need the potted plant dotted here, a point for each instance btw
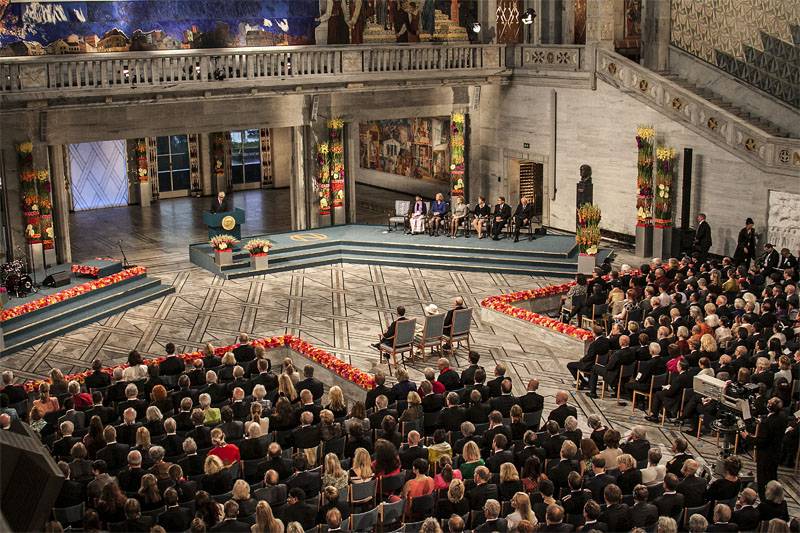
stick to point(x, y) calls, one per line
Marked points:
point(223, 249)
point(259, 253)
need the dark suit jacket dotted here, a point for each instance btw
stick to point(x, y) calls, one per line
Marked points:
point(531, 402)
point(408, 455)
point(597, 484)
point(192, 465)
point(15, 393)
point(379, 390)
point(252, 449)
point(313, 385)
point(63, 446)
point(727, 527)
point(503, 403)
point(217, 207)
point(560, 414)
point(480, 493)
point(628, 479)
point(97, 380)
point(637, 448)
point(201, 436)
point(71, 493)
point(450, 379)
point(106, 414)
point(524, 212)
point(451, 418)
point(502, 211)
point(126, 433)
point(376, 418)
point(644, 515)
point(115, 455)
point(494, 386)
point(702, 237)
point(468, 374)
point(309, 481)
point(130, 479)
point(498, 524)
point(267, 379)
point(671, 504)
point(559, 472)
point(231, 525)
point(617, 517)
point(494, 461)
point(306, 437)
point(747, 518)
point(693, 489)
point(388, 335)
point(478, 414)
point(175, 519)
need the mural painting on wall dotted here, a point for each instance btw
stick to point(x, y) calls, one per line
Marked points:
point(580, 21)
point(415, 148)
point(74, 27)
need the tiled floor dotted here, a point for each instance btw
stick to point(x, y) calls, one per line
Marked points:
point(341, 307)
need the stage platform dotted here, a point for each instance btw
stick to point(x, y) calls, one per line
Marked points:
point(71, 313)
point(550, 255)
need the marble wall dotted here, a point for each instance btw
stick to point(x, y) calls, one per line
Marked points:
point(598, 128)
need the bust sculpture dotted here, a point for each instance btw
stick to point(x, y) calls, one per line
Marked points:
point(584, 188)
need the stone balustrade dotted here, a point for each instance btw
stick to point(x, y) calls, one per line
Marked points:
point(547, 57)
point(715, 123)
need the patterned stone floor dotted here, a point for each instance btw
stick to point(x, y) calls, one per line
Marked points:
point(339, 307)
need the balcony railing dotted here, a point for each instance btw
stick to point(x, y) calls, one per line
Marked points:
point(280, 64)
point(548, 57)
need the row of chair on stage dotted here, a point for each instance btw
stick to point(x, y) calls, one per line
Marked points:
point(440, 217)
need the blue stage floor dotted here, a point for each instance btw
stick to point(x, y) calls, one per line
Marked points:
point(554, 255)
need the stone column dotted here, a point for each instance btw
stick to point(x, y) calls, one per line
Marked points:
point(58, 177)
point(600, 23)
point(297, 182)
point(568, 22)
point(351, 150)
point(656, 22)
point(13, 198)
point(206, 170)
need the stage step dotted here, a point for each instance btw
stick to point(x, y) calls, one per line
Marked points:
point(74, 314)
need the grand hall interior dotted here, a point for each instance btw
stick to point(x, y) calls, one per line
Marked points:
point(290, 266)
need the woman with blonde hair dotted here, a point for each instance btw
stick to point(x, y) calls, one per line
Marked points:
point(208, 350)
point(289, 370)
point(241, 495)
point(472, 460)
point(336, 402)
point(216, 478)
point(455, 503)
point(361, 470)
point(143, 442)
point(286, 387)
point(256, 409)
point(58, 385)
point(328, 427)
point(510, 483)
point(265, 520)
point(521, 503)
point(226, 372)
point(414, 409)
point(295, 527)
point(45, 403)
point(154, 421)
point(333, 475)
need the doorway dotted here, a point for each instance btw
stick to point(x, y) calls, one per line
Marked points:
point(245, 159)
point(98, 175)
point(174, 173)
point(526, 178)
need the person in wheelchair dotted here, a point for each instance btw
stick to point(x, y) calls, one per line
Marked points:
point(459, 216)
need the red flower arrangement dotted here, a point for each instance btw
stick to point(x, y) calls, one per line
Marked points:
point(502, 303)
point(70, 292)
point(85, 270)
point(326, 359)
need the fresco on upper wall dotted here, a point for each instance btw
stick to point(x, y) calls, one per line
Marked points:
point(85, 26)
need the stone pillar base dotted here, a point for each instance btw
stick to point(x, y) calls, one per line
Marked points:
point(662, 242)
point(644, 241)
point(223, 257)
point(586, 263)
point(144, 194)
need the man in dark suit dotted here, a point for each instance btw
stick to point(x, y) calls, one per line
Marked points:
point(306, 436)
point(139, 406)
point(230, 524)
point(276, 462)
point(221, 203)
point(611, 371)
point(496, 427)
point(769, 260)
point(617, 515)
point(114, 453)
point(175, 519)
point(264, 377)
point(458, 303)
point(303, 478)
point(483, 490)
point(63, 446)
point(296, 510)
point(480, 386)
point(380, 389)
point(172, 443)
point(643, 513)
point(130, 478)
point(200, 433)
point(591, 514)
point(702, 238)
point(387, 337)
point(78, 418)
point(468, 374)
point(493, 523)
point(254, 445)
point(562, 410)
point(72, 492)
point(499, 375)
point(183, 418)
point(451, 417)
point(97, 379)
point(600, 346)
point(244, 353)
point(431, 403)
point(505, 401)
point(197, 375)
point(598, 482)
point(500, 454)
point(574, 501)
point(554, 521)
point(310, 383)
point(412, 451)
point(551, 442)
point(721, 517)
point(133, 522)
point(233, 429)
point(116, 392)
point(655, 366)
point(637, 445)
point(523, 214)
point(15, 393)
point(670, 396)
point(747, 517)
point(531, 401)
point(559, 472)
point(106, 414)
point(670, 503)
point(172, 365)
point(692, 486)
point(381, 411)
point(500, 217)
point(126, 432)
point(447, 376)
point(768, 442)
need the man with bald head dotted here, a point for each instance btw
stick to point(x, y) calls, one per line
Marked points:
point(458, 303)
point(562, 410)
point(531, 401)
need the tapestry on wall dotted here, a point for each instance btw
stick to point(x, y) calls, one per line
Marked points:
point(415, 148)
point(74, 27)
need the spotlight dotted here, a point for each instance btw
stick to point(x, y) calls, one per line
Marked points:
point(476, 27)
point(528, 16)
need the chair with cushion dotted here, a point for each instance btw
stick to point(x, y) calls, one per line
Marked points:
point(656, 383)
point(459, 331)
point(430, 336)
point(335, 445)
point(69, 515)
point(392, 513)
point(400, 214)
point(363, 493)
point(401, 342)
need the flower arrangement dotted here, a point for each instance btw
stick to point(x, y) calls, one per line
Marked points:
point(86, 270)
point(457, 153)
point(35, 189)
point(587, 234)
point(324, 178)
point(645, 139)
point(503, 303)
point(258, 246)
point(223, 243)
point(336, 160)
point(142, 171)
point(318, 355)
point(70, 292)
point(666, 172)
